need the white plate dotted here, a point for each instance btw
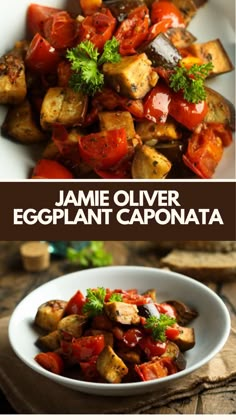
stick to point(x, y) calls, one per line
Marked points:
point(214, 20)
point(212, 326)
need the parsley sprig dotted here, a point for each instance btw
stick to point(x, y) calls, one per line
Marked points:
point(95, 299)
point(93, 255)
point(86, 62)
point(159, 326)
point(191, 81)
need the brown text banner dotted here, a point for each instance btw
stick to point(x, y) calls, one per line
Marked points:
point(90, 210)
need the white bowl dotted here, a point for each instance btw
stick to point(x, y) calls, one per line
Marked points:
point(214, 20)
point(212, 326)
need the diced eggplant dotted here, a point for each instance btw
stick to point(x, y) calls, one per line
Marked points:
point(173, 351)
point(147, 310)
point(72, 325)
point(49, 314)
point(187, 8)
point(220, 110)
point(152, 293)
point(148, 163)
point(49, 342)
point(110, 366)
point(184, 314)
point(213, 51)
point(149, 130)
point(12, 79)
point(129, 356)
point(162, 52)
point(173, 150)
point(186, 338)
point(180, 37)
point(122, 312)
point(121, 8)
point(117, 119)
point(132, 77)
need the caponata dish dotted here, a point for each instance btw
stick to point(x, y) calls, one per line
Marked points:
point(114, 336)
point(117, 91)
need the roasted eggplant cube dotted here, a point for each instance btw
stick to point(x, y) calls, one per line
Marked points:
point(149, 130)
point(150, 164)
point(220, 110)
point(214, 52)
point(20, 124)
point(184, 314)
point(72, 325)
point(49, 342)
point(63, 106)
point(49, 314)
point(132, 76)
point(121, 8)
point(124, 313)
point(118, 119)
point(110, 366)
point(12, 80)
point(186, 339)
point(162, 52)
point(180, 37)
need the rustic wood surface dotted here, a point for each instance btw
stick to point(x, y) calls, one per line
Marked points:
point(16, 283)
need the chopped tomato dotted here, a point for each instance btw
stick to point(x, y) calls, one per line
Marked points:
point(151, 347)
point(166, 308)
point(50, 361)
point(157, 103)
point(90, 6)
point(157, 28)
point(61, 30)
point(162, 10)
point(104, 149)
point(89, 369)
point(41, 57)
point(50, 169)
point(133, 30)
point(223, 132)
point(172, 333)
point(85, 347)
point(151, 370)
point(123, 171)
point(132, 336)
point(75, 304)
point(187, 113)
point(169, 364)
point(205, 150)
point(36, 16)
point(97, 28)
point(64, 73)
point(110, 100)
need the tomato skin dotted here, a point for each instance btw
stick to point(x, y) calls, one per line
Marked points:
point(41, 57)
point(60, 30)
point(187, 113)
point(151, 370)
point(50, 169)
point(172, 333)
point(162, 10)
point(157, 28)
point(205, 150)
point(133, 30)
point(169, 365)
point(157, 103)
point(104, 149)
point(36, 16)
point(97, 28)
point(89, 370)
point(132, 336)
point(90, 6)
point(165, 308)
point(50, 361)
point(75, 304)
point(85, 347)
point(151, 347)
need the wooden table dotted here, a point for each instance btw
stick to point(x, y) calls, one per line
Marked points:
point(15, 284)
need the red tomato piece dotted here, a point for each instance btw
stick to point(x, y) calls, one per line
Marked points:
point(36, 16)
point(133, 30)
point(151, 347)
point(123, 171)
point(97, 28)
point(41, 57)
point(172, 333)
point(50, 169)
point(64, 73)
point(223, 132)
point(187, 113)
point(50, 361)
point(157, 28)
point(84, 348)
point(166, 308)
point(132, 336)
point(61, 30)
point(75, 304)
point(151, 370)
point(104, 149)
point(89, 370)
point(205, 150)
point(169, 364)
point(162, 10)
point(157, 103)
point(90, 6)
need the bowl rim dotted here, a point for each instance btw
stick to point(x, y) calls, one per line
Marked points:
point(84, 385)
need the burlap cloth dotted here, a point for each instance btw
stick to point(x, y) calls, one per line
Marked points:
point(31, 393)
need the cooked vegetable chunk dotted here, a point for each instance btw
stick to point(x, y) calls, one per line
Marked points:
point(63, 106)
point(20, 124)
point(110, 366)
point(132, 76)
point(186, 339)
point(12, 79)
point(72, 325)
point(162, 52)
point(184, 314)
point(187, 8)
point(49, 314)
point(50, 341)
point(124, 313)
point(149, 130)
point(150, 164)
point(119, 119)
point(220, 110)
point(180, 37)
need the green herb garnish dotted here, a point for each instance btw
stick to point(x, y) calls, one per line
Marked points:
point(94, 301)
point(93, 255)
point(116, 297)
point(85, 63)
point(191, 81)
point(159, 326)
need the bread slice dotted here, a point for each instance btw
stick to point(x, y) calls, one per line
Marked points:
point(203, 266)
point(210, 246)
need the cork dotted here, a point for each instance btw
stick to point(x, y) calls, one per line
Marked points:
point(35, 256)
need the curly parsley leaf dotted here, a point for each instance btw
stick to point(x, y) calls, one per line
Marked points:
point(85, 62)
point(94, 301)
point(159, 326)
point(191, 81)
point(116, 297)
